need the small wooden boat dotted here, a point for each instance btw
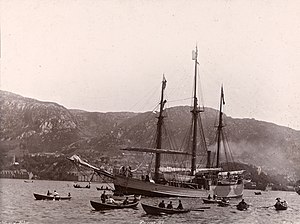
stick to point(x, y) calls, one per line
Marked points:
point(242, 206)
point(98, 206)
point(78, 186)
point(281, 205)
point(223, 203)
point(103, 189)
point(28, 181)
point(210, 201)
point(155, 210)
point(257, 193)
point(50, 197)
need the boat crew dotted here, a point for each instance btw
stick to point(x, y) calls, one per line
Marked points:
point(170, 206)
point(110, 200)
point(162, 204)
point(55, 193)
point(147, 179)
point(129, 171)
point(126, 202)
point(242, 203)
point(180, 205)
point(103, 197)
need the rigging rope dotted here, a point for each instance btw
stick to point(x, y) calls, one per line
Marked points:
point(152, 92)
point(171, 101)
point(202, 135)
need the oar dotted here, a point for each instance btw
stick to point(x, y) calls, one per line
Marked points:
point(238, 204)
point(197, 210)
point(200, 209)
point(204, 207)
point(266, 206)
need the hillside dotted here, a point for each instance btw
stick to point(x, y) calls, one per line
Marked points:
point(29, 126)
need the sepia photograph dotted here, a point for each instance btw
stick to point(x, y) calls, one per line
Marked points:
point(150, 111)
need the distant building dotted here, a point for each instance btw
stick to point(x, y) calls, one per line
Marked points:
point(17, 174)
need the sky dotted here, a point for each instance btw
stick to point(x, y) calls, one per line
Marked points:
point(100, 55)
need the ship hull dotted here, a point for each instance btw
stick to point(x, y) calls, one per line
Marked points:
point(135, 186)
point(141, 187)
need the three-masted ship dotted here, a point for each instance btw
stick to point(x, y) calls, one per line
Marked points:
point(194, 182)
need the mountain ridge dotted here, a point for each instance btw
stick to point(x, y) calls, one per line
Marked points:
point(28, 126)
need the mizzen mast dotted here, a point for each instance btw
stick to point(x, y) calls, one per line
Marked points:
point(220, 126)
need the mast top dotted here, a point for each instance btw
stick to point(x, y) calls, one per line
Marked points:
point(195, 54)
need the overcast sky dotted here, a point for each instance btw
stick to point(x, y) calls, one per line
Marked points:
point(110, 55)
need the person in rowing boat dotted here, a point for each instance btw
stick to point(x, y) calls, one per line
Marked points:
point(215, 196)
point(103, 197)
point(147, 179)
point(55, 193)
point(242, 203)
point(129, 171)
point(162, 204)
point(180, 205)
point(48, 193)
point(126, 202)
point(89, 185)
point(209, 197)
point(110, 200)
point(170, 205)
point(278, 202)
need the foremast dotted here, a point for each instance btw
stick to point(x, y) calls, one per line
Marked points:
point(159, 129)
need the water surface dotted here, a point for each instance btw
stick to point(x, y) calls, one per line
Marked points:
point(17, 205)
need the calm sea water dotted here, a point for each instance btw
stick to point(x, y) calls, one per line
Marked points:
point(19, 206)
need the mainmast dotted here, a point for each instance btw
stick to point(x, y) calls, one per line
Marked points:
point(159, 128)
point(220, 126)
point(195, 113)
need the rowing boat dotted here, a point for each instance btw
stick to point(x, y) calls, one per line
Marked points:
point(154, 210)
point(98, 206)
point(242, 207)
point(50, 197)
point(78, 186)
point(281, 206)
